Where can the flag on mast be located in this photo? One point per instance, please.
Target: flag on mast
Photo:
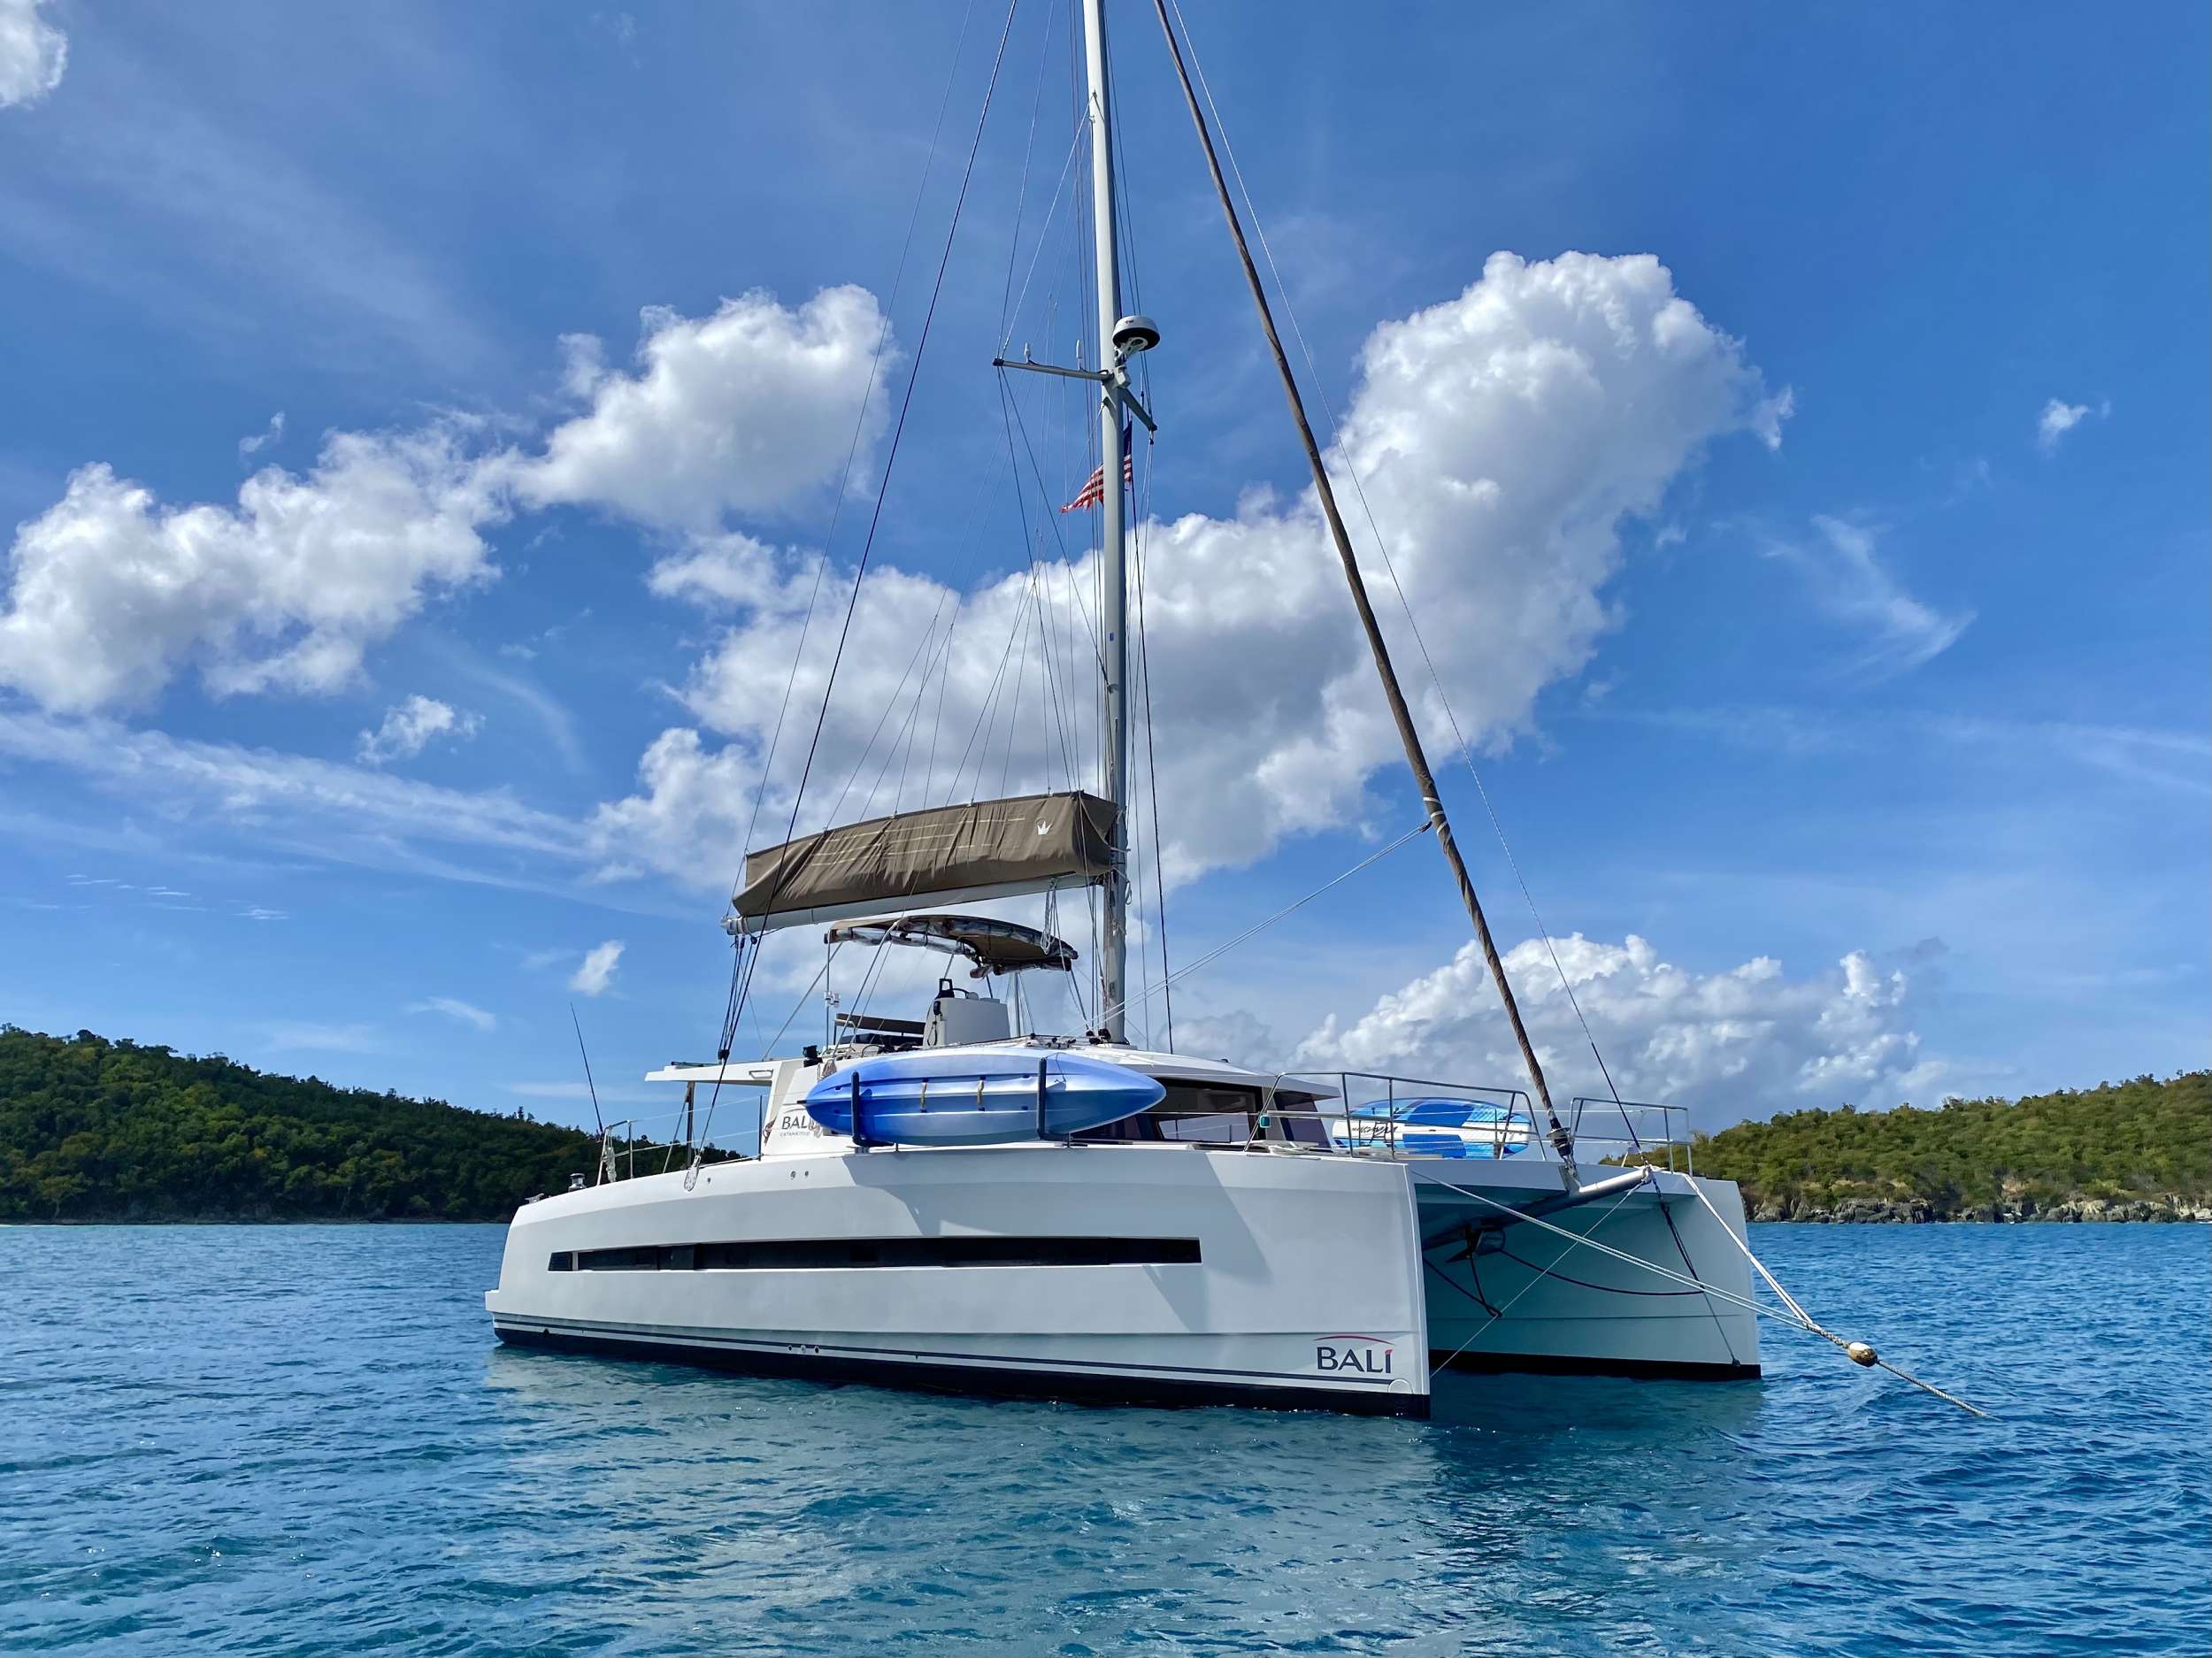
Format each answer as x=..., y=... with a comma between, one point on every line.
x=1093, y=493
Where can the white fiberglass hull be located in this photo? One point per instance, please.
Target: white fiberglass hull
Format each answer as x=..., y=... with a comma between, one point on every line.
x=1528, y=1298
x=1189, y=1276
x=1164, y=1274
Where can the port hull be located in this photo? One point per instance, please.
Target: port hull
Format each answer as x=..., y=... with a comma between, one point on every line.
x=1164, y=1274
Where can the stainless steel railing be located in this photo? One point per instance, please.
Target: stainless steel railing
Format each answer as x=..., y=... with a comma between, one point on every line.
x=1633, y=1131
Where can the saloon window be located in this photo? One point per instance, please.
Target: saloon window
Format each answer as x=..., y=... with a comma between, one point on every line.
x=1206, y=1114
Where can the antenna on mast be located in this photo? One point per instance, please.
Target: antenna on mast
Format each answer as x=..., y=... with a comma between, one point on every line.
x=606, y=1155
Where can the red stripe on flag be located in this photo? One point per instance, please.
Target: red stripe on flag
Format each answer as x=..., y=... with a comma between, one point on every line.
x=1093, y=493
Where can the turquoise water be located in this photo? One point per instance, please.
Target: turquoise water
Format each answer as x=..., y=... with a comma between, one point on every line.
x=303, y=1440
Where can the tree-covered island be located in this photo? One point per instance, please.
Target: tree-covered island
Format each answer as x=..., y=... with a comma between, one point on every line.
x=95, y=1130
x=2138, y=1150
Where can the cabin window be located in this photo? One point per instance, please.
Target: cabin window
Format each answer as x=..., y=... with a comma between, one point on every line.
x=1208, y=1115
x=785, y=1254
x=562, y=1260
x=636, y=1258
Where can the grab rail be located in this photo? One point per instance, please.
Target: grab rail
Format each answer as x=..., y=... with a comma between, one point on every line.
x=1635, y=1131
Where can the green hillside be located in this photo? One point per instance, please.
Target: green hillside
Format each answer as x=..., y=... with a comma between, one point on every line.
x=97, y=1129
x=2148, y=1140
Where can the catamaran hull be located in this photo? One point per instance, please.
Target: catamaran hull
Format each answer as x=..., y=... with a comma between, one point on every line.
x=1128, y=1274
x=1167, y=1275
x=1528, y=1297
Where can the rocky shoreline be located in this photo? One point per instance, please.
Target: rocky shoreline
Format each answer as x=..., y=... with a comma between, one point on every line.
x=1918, y=1211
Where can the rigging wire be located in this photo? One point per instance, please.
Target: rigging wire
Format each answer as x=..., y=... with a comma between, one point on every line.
x=1151, y=756
x=1419, y=829
x=1499, y=1312
x=1021, y=194
x=884, y=718
x=898, y=431
x=740, y=974
x=1082, y=125
x=1382, y=546
x=1030, y=540
x=860, y=420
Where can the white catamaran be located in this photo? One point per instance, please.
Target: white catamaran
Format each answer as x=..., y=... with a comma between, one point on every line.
x=919, y=1208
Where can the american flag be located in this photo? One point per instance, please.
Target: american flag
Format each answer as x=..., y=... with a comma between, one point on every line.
x=1093, y=493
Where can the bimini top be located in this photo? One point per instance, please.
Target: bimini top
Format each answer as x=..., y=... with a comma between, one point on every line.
x=995, y=946
x=986, y=849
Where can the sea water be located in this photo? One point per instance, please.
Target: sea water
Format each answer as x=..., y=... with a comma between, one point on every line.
x=299, y=1440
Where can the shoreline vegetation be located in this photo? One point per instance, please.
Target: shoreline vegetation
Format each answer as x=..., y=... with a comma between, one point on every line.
x=95, y=1130
x=98, y=1131
x=2139, y=1150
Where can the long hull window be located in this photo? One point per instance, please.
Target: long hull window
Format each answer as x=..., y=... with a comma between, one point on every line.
x=783, y=1254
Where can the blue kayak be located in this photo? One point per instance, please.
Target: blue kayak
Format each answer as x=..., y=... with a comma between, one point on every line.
x=977, y=1098
x=1434, y=1128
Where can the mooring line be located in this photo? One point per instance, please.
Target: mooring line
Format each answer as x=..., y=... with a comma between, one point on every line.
x=1858, y=1352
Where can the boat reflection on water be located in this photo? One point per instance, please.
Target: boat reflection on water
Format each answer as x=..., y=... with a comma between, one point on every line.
x=789, y=1507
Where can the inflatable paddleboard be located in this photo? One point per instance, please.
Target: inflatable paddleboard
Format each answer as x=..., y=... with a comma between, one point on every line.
x=975, y=1098
x=1434, y=1128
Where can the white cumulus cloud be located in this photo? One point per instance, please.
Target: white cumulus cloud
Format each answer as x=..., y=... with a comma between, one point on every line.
x=596, y=971
x=32, y=53
x=112, y=593
x=1501, y=436
x=747, y=410
x=1743, y=1042
x=410, y=727
x=2059, y=418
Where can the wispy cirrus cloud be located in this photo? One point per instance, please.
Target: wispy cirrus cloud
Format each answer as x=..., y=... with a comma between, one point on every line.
x=349, y=812
x=320, y=1037
x=454, y=1007
x=2167, y=758
x=1844, y=573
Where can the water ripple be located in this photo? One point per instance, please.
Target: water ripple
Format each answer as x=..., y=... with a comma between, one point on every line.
x=302, y=1439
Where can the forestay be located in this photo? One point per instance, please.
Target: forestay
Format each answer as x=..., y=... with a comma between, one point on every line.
x=991, y=849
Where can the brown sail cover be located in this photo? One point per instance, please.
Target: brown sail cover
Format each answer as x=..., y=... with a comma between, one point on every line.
x=1022, y=844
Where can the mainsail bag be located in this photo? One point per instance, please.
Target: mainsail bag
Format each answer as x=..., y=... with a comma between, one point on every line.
x=988, y=848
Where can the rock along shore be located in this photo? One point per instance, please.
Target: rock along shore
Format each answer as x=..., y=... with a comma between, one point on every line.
x=1918, y=1211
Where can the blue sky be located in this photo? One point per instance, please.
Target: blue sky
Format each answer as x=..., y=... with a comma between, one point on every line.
x=1849, y=652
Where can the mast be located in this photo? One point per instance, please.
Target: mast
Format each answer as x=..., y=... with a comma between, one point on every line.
x=1113, y=954
x=1417, y=758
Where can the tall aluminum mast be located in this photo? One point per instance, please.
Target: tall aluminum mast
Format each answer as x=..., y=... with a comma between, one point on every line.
x=1113, y=954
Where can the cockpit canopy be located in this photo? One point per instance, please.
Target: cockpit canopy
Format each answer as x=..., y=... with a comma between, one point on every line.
x=992, y=945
